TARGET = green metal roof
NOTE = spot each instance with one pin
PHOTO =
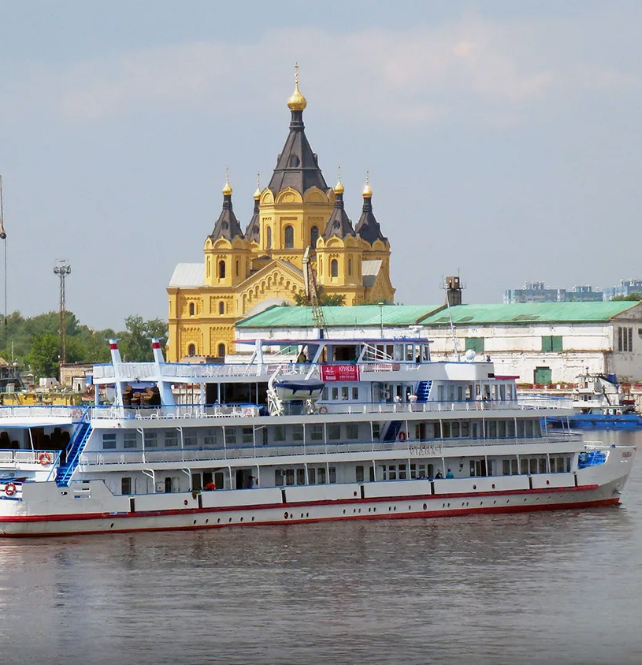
(358, 315)
(526, 313)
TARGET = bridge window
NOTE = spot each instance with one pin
(289, 237)
(221, 269)
(314, 236)
(334, 268)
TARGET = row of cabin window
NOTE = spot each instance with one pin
(496, 428)
(342, 393)
(316, 476)
(213, 437)
(480, 468)
(469, 392)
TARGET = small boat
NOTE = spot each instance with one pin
(598, 402)
(297, 388)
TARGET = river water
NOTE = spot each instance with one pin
(561, 588)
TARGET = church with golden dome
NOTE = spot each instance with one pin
(244, 272)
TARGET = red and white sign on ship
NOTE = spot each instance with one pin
(339, 373)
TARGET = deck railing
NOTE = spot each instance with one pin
(408, 449)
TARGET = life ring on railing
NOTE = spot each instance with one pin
(44, 459)
(248, 411)
(76, 413)
(10, 489)
(402, 436)
(323, 410)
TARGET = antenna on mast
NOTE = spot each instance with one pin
(454, 288)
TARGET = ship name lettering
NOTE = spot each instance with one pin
(423, 449)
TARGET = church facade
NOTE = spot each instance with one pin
(244, 272)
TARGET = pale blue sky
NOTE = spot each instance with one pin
(503, 138)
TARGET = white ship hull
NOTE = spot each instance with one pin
(46, 510)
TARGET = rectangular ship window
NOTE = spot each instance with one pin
(335, 392)
(279, 433)
(344, 392)
(130, 440)
(523, 466)
(151, 440)
(171, 439)
(402, 472)
(312, 476)
(359, 474)
(126, 486)
(248, 434)
(109, 441)
(297, 432)
(321, 475)
(332, 475)
(278, 477)
(355, 394)
(300, 476)
(289, 476)
(352, 431)
(392, 472)
(316, 432)
(334, 432)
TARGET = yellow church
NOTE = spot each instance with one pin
(246, 272)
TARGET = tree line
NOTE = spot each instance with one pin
(34, 342)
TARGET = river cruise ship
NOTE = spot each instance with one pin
(337, 430)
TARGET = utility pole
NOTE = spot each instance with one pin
(62, 271)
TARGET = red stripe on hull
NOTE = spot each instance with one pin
(428, 514)
(291, 504)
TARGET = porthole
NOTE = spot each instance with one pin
(359, 509)
(230, 519)
(425, 506)
(493, 485)
(241, 519)
(207, 521)
(474, 487)
(253, 518)
(194, 521)
(307, 514)
(344, 511)
(409, 507)
(481, 503)
(285, 515)
(112, 525)
(374, 510)
(218, 521)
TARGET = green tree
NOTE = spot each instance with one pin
(43, 356)
(325, 300)
(135, 344)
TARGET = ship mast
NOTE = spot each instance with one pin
(312, 294)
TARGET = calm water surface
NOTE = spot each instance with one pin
(560, 588)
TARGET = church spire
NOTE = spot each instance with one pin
(338, 225)
(368, 227)
(227, 225)
(253, 230)
(297, 165)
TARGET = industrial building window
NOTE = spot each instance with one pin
(551, 343)
(625, 339)
(289, 237)
(475, 344)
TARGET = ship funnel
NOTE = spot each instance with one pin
(157, 350)
(115, 353)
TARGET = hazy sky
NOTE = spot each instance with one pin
(503, 138)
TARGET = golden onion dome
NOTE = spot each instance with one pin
(227, 190)
(257, 194)
(297, 102)
(339, 188)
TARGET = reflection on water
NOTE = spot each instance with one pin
(527, 588)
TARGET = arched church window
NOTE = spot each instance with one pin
(237, 267)
(349, 266)
(221, 307)
(314, 236)
(221, 269)
(289, 237)
(334, 268)
(191, 350)
(268, 244)
(221, 350)
(192, 309)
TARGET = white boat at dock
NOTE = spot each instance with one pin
(388, 434)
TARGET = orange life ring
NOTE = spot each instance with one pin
(402, 436)
(323, 409)
(10, 489)
(76, 413)
(44, 459)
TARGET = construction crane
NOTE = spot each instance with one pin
(3, 236)
(312, 294)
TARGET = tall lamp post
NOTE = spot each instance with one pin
(62, 271)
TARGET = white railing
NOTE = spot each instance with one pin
(409, 448)
(13, 457)
(41, 411)
(182, 411)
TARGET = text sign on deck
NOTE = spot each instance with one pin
(339, 373)
(425, 449)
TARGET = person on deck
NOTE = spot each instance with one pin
(449, 474)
